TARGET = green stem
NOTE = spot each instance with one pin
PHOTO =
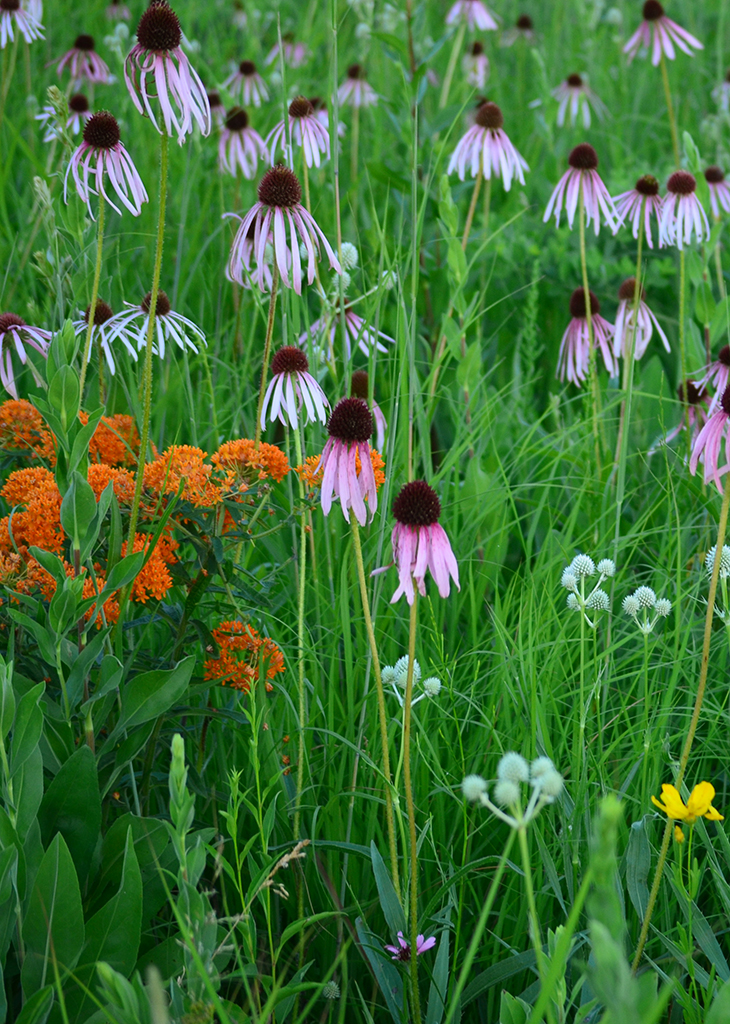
(670, 109)
(682, 353)
(644, 763)
(593, 373)
(628, 388)
(355, 146)
(413, 899)
(687, 749)
(267, 346)
(382, 716)
(8, 72)
(209, 382)
(94, 295)
(472, 208)
(307, 200)
(456, 50)
(718, 266)
(300, 642)
(532, 911)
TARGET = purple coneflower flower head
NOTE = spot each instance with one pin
(697, 402)
(420, 543)
(523, 29)
(322, 115)
(169, 326)
(101, 153)
(13, 16)
(709, 441)
(582, 174)
(15, 334)
(295, 54)
(682, 214)
(350, 428)
(355, 91)
(249, 84)
(292, 386)
(718, 375)
(177, 87)
(240, 18)
(487, 148)
(643, 196)
(239, 267)
(357, 332)
(217, 110)
(240, 147)
(84, 62)
(117, 11)
(279, 215)
(719, 190)
(359, 389)
(645, 323)
(103, 329)
(306, 131)
(573, 359)
(475, 13)
(78, 114)
(660, 33)
(403, 950)
(476, 65)
(575, 97)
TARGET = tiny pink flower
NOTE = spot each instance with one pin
(175, 83)
(240, 147)
(682, 214)
(574, 96)
(659, 32)
(403, 950)
(15, 334)
(645, 323)
(217, 110)
(84, 62)
(476, 65)
(487, 148)
(582, 174)
(359, 389)
(306, 131)
(573, 359)
(419, 543)
(350, 428)
(248, 84)
(295, 54)
(719, 190)
(355, 90)
(475, 13)
(292, 386)
(13, 16)
(709, 441)
(718, 376)
(101, 153)
(644, 196)
(357, 332)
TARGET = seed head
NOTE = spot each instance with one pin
(351, 421)
(551, 785)
(506, 793)
(647, 185)
(607, 567)
(724, 560)
(681, 183)
(159, 28)
(289, 360)
(236, 119)
(714, 175)
(102, 131)
(477, 49)
(8, 320)
(723, 356)
(583, 565)
(301, 107)
(387, 675)
(350, 256)
(630, 605)
(280, 187)
(725, 401)
(473, 787)
(102, 313)
(359, 384)
(78, 103)
(598, 601)
(653, 10)
(331, 990)
(432, 686)
(573, 603)
(539, 768)
(575, 81)
(401, 672)
(569, 580)
(693, 394)
(663, 607)
(417, 504)
(645, 596)
(489, 116)
(583, 157)
(627, 290)
(162, 307)
(578, 304)
(247, 67)
(513, 768)
(84, 43)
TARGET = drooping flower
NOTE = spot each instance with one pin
(356, 91)
(240, 147)
(359, 389)
(575, 96)
(241, 270)
(248, 83)
(84, 62)
(402, 951)
(695, 401)
(350, 428)
(295, 54)
(709, 441)
(476, 65)
(78, 114)
(582, 175)
(117, 11)
(717, 375)
(699, 804)
(682, 214)
(101, 154)
(14, 16)
(306, 131)
(474, 12)
(103, 331)
(659, 33)
(574, 356)
(217, 110)
(15, 334)
(486, 148)
(640, 201)
(420, 543)
(169, 325)
(357, 332)
(177, 87)
(719, 190)
(645, 323)
(523, 29)
(292, 386)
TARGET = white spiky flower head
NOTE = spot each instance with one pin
(663, 607)
(569, 580)
(598, 600)
(513, 768)
(331, 990)
(573, 603)
(506, 793)
(473, 787)
(583, 565)
(388, 675)
(607, 567)
(645, 596)
(350, 256)
(389, 279)
(540, 768)
(630, 605)
(432, 686)
(724, 561)
(401, 672)
(551, 785)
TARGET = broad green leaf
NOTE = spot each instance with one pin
(469, 371)
(7, 699)
(720, 1010)
(72, 807)
(63, 394)
(151, 694)
(82, 666)
(27, 727)
(704, 303)
(638, 862)
(37, 1008)
(389, 902)
(390, 981)
(28, 791)
(78, 509)
(439, 982)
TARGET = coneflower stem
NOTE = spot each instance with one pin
(300, 642)
(267, 348)
(8, 72)
(472, 209)
(355, 146)
(670, 109)
(687, 749)
(145, 433)
(382, 717)
(458, 43)
(413, 841)
(718, 267)
(593, 373)
(682, 354)
(94, 296)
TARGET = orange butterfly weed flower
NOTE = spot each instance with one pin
(115, 440)
(312, 474)
(241, 648)
(40, 522)
(100, 474)
(23, 431)
(182, 462)
(243, 463)
(154, 580)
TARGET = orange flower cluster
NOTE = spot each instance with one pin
(39, 522)
(241, 649)
(100, 474)
(154, 580)
(23, 431)
(115, 440)
(311, 473)
(243, 463)
(182, 462)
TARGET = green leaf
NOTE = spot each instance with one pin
(151, 694)
(513, 1010)
(469, 371)
(386, 974)
(28, 791)
(63, 395)
(638, 862)
(720, 1010)
(54, 922)
(27, 727)
(62, 609)
(40, 634)
(82, 665)
(80, 446)
(78, 509)
(123, 573)
(439, 982)
(389, 902)
(7, 699)
(37, 1008)
(704, 303)
(50, 562)
(72, 807)
(719, 323)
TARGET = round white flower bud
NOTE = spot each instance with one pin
(607, 567)
(513, 767)
(583, 565)
(598, 600)
(389, 279)
(432, 686)
(362, 30)
(473, 787)
(551, 784)
(506, 793)
(401, 672)
(645, 596)
(724, 561)
(388, 675)
(663, 607)
(573, 603)
(539, 768)
(350, 256)
(569, 580)
(331, 990)
(346, 281)
(630, 605)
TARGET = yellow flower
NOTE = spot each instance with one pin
(678, 834)
(699, 804)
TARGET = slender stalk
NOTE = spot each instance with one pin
(670, 109)
(456, 50)
(307, 200)
(592, 348)
(532, 912)
(354, 146)
(718, 267)
(413, 899)
(645, 735)
(267, 348)
(94, 293)
(392, 846)
(472, 209)
(145, 434)
(8, 72)
(687, 749)
(682, 353)
(300, 643)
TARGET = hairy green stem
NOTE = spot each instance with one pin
(410, 807)
(94, 296)
(670, 109)
(267, 350)
(456, 50)
(300, 642)
(472, 208)
(593, 373)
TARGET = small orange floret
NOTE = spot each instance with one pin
(241, 649)
(154, 580)
(243, 463)
(183, 462)
(115, 441)
(312, 473)
(39, 522)
(100, 474)
(23, 430)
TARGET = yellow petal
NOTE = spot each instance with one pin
(700, 799)
(673, 805)
(714, 815)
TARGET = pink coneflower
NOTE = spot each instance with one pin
(583, 174)
(523, 29)
(474, 13)
(718, 375)
(575, 96)
(719, 190)
(292, 386)
(295, 54)
(13, 16)
(104, 329)
(359, 389)
(403, 950)
(239, 268)
(178, 88)
(306, 131)
(487, 149)
(249, 83)
(117, 11)
(350, 428)
(697, 401)
(709, 441)
(419, 543)
(217, 110)
(322, 115)
(682, 213)
(574, 356)
(645, 323)
(357, 332)
(476, 65)
(15, 334)
(239, 19)
(78, 114)
(659, 32)
(84, 62)
(102, 149)
(240, 147)
(169, 326)
(629, 204)
(279, 211)
(355, 91)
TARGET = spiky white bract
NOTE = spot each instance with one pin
(432, 686)
(506, 793)
(573, 602)
(645, 596)
(630, 605)
(473, 787)
(663, 607)
(724, 561)
(607, 567)
(513, 768)
(539, 768)
(569, 580)
(598, 601)
(401, 672)
(387, 675)
(350, 256)
(583, 565)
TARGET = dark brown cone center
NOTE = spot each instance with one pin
(653, 10)
(725, 401)
(84, 43)
(214, 100)
(289, 359)
(102, 131)
(351, 421)
(162, 307)
(714, 175)
(280, 187)
(417, 504)
(489, 116)
(524, 22)
(300, 107)
(628, 289)
(578, 304)
(723, 356)
(477, 49)
(355, 71)
(647, 185)
(159, 28)
(8, 320)
(102, 313)
(575, 81)
(681, 183)
(78, 103)
(9, 5)
(694, 395)
(359, 384)
(247, 67)
(236, 119)
(583, 157)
